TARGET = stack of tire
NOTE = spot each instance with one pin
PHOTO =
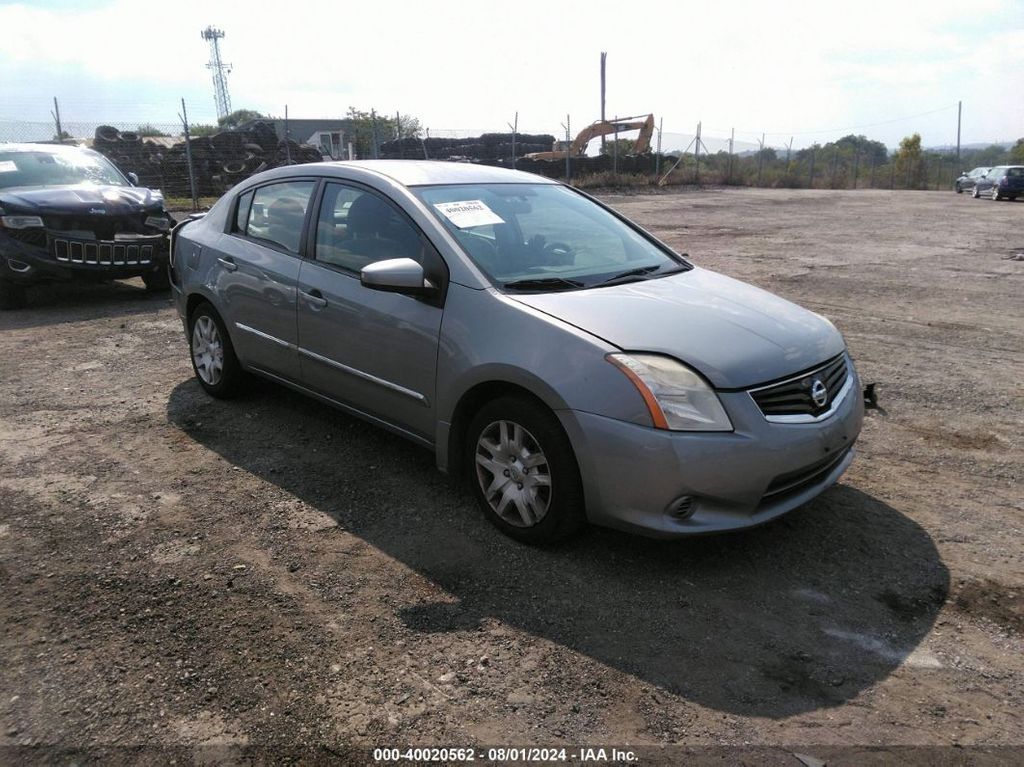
(219, 161)
(487, 147)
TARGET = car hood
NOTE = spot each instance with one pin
(735, 334)
(81, 199)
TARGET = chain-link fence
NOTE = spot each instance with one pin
(192, 163)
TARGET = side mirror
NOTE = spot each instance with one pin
(397, 275)
(134, 178)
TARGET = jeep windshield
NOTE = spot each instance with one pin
(545, 237)
(60, 167)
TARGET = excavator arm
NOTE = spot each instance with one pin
(578, 148)
(606, 127)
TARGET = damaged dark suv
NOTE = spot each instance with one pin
(66, 213)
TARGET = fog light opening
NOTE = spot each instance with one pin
(682, 507)
(18, 266)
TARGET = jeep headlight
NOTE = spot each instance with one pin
(677, 397)
(158, 222)
(22, 222)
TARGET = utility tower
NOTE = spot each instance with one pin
(220, 71)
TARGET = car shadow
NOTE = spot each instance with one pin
(57, 303)
(801, 614)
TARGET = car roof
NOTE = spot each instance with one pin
(426, 172)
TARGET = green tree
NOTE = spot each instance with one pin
(1017, 153)
(238, 117)
(623, 145)
(147, 131)
(195, 131)
(909, 162)
(365, 127)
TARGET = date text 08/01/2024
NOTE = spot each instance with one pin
(507, 754)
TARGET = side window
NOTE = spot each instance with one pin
(277, 212)
(242, 214)
(355, 228)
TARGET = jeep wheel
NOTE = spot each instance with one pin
(523, 471)
(12, 295)
(157, 281)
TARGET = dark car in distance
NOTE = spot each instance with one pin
(1003, 182)
(968, 179)
(68, 214)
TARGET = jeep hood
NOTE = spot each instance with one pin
(735, 334)
(80, 199)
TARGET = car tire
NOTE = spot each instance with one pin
(157, 281)
(996, 197)
(12, 295)
(958, 189)
(975, 193)
(523, 471)
(213, 357)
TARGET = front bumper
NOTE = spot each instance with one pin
(63, 260)
(634, 476)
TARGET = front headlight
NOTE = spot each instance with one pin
(676, 396)
(21, 222)
(158, 222)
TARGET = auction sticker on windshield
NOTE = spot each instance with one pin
(8, 166)
(469, 213)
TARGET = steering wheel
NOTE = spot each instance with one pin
(558, 253)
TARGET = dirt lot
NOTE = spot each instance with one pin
(176, 571)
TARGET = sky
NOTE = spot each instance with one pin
(801, 71)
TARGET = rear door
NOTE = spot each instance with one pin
(371, 350)
(258, 266)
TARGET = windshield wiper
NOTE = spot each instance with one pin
(544, 283)
(640, 272)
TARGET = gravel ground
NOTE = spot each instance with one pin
(182, 573)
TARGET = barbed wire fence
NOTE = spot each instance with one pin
(193, 162)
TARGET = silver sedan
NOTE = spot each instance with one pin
(572, 366)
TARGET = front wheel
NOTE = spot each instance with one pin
(157, 281)
(213, 357)
(958, 189)
(12, 295)
(975, 193)
(996, 197)
(524, 472)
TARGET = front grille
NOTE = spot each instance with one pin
(104, 252)
(794, 396)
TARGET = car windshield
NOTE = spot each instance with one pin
(538, 237)
(56, 168)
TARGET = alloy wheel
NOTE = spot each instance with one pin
(513, 473)
(207, 350)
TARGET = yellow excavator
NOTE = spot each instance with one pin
(578, 147)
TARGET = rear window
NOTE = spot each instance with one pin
(1015, 172)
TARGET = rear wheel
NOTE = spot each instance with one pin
(524, 472)
(12, 295)
(975, 193)
(958, 189)
(996, 197)
(213, 357)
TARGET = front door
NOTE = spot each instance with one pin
(371, 350)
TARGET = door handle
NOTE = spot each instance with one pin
(228, 263)
(315, 298)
